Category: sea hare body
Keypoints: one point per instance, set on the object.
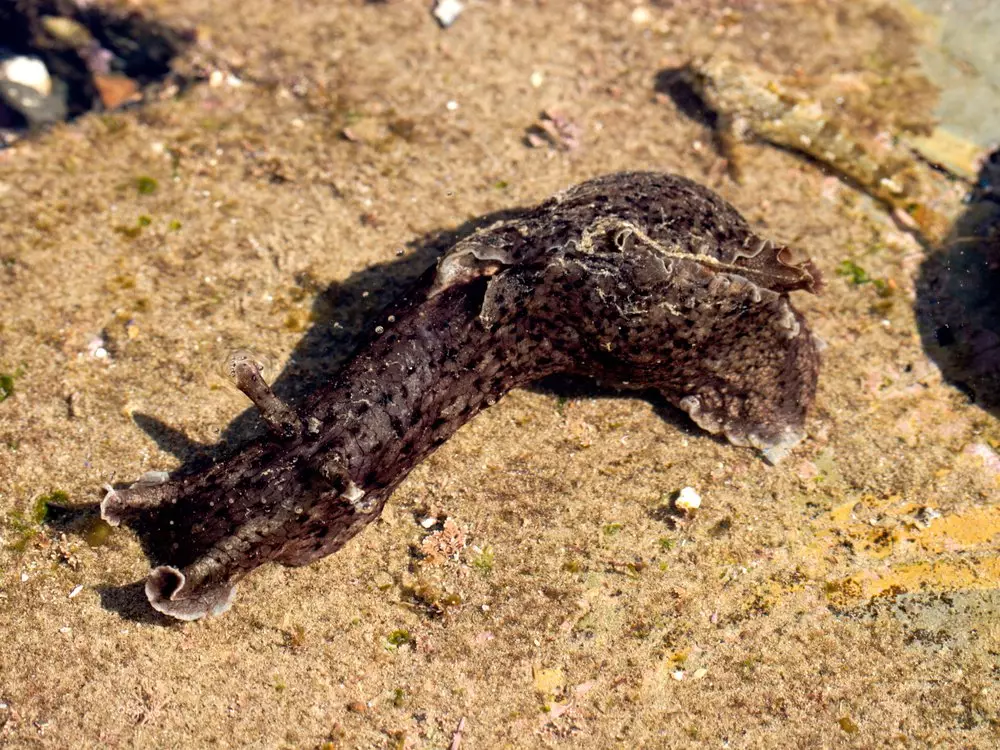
(638, 280)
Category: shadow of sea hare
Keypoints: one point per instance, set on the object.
(642, 281)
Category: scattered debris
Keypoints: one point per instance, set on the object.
(556, 130)
(447, 12)
(76, 591)
(456, 737)
(446, 543)
(116, 90)
(687, 499)
(751, 103)
(848, 725)
(60, 59)
(947, 151)
(925, 516)
(97, 348)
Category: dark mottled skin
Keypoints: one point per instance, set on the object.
(639, 280)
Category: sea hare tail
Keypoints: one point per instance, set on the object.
(169, 592)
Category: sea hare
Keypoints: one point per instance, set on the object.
(640, 280)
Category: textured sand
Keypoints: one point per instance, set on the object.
(811, 604)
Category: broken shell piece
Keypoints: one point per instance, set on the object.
(27, 71)
(447, 12)
(116, 90)
(687, 499)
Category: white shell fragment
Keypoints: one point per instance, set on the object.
(447, 12)
(27, 71)
(688, 499)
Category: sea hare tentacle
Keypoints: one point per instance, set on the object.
(639, 280)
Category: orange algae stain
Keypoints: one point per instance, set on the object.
(926, 575)
(897, 547)
(975, 527)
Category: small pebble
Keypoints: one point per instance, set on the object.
(451, 105)
(688, 499)
(678, 674)
(447, 12)
(76, 590)
(24, 577)
(36, 109)
(428, 522)
(116, 90)
(699, 673)
(640, 16)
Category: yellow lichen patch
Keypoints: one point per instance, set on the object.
(548, 682)
(900, 545)
(960, 531)
(923, 576)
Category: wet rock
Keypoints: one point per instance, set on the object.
(66, 33)
(36, 109)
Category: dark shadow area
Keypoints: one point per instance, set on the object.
(958, 296)
(676, 84)
(578, 387)
(96, 58)
(130, 603)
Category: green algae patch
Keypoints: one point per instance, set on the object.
(399, 638)
(97, 533)
(26, 525)
(40, 508)
(483, 562)
(145, 185)
(6, 386)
